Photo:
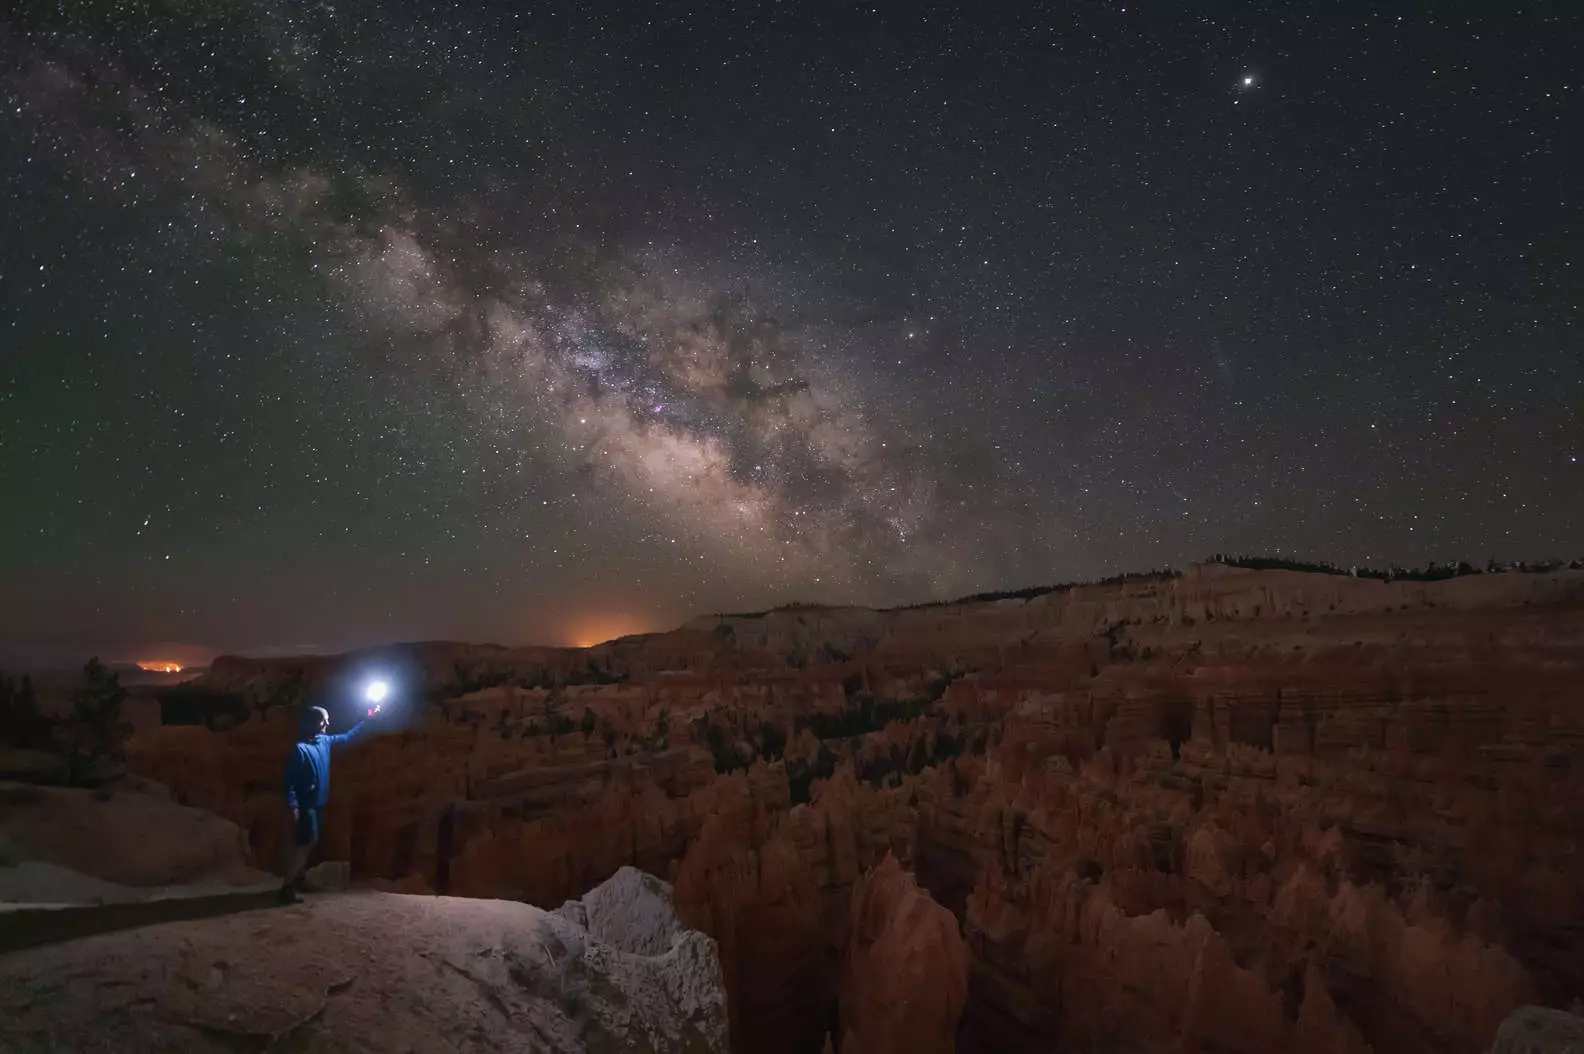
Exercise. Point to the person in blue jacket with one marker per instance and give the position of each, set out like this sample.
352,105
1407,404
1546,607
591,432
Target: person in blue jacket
308,787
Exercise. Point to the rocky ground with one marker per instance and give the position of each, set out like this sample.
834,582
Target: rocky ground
379,972
1231,810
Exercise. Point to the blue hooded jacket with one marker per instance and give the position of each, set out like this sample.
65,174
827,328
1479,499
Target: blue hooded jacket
308,767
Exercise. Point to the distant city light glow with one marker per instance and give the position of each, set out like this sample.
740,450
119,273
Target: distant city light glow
159,666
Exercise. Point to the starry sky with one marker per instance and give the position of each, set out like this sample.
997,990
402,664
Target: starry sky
330,323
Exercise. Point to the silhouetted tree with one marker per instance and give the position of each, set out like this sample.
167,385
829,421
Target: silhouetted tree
1432,572
869,715
946,746
95,735
801,775
772,741
21,724
555,722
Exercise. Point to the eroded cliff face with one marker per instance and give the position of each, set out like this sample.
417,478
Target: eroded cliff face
1232,810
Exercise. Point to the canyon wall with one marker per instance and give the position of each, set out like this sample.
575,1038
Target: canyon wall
1227,811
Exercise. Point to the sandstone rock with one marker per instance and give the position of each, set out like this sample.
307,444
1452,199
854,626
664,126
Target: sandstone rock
328,875
775,889
381,972
1539,1030
745,885
412,884
1223,810
122,836
36,882
905,979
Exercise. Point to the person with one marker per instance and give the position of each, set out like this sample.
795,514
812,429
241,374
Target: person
308,789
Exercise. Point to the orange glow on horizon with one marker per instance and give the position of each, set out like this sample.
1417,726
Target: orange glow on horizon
159,666
594,632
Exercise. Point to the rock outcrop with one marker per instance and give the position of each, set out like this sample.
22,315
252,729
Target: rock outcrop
1229,810
382,972
127,835
1540,1030
905,979
775,888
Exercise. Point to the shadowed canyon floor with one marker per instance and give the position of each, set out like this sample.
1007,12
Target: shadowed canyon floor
1230,811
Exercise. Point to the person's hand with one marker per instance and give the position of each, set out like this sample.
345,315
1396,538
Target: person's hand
294,813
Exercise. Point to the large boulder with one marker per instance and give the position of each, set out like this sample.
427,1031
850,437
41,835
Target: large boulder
130,835
382,972
1540,1030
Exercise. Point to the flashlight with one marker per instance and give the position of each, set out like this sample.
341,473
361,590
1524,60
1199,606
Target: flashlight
375,692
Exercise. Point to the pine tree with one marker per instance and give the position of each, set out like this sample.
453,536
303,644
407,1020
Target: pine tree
21,724
95,734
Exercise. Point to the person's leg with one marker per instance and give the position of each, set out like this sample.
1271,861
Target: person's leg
305,835
288,847
299,861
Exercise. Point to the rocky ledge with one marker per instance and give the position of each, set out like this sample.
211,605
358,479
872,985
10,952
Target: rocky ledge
368,971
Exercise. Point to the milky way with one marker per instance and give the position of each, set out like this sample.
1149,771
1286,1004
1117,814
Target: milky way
332,324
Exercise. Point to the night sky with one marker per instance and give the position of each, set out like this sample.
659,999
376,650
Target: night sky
325,324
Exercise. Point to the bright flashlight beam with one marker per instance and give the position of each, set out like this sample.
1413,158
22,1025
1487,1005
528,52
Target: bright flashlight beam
376,691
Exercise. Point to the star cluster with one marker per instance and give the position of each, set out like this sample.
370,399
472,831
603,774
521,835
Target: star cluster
325,324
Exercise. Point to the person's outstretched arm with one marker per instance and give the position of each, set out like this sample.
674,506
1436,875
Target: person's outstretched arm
350,736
